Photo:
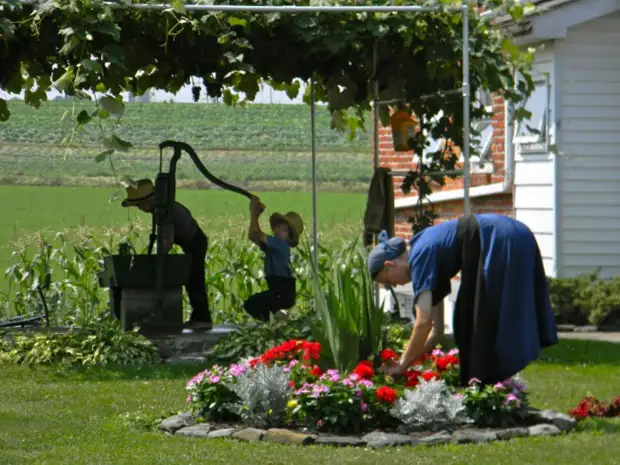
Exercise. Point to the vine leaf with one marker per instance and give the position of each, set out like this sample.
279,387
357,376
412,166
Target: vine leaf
83,118
4,110
34,98
178,6
104,155
237,21
114,107
64,82
116,143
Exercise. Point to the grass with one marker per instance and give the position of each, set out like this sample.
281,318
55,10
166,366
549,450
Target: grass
33,209
49,416
210,126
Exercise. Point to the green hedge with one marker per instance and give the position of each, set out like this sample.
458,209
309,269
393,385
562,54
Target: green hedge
585,299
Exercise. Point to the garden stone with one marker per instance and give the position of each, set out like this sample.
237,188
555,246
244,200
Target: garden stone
221,433
566,328
176,422
544,430
285,436
443,437
586,329
377,439
467,436
339,441
561,420
249,434
190,359
511,433
197,431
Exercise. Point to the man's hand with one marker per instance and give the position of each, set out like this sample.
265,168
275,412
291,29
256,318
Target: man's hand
393,370
256,207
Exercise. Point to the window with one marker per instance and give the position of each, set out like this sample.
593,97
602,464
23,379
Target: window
535,130
485,98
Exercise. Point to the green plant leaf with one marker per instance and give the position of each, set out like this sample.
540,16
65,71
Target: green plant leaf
64,81
114,106
115,143
4,110
83,117
103,155
237,21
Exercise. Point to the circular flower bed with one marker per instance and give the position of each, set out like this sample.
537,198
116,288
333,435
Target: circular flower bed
289,386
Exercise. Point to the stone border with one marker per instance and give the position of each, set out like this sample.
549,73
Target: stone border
543,423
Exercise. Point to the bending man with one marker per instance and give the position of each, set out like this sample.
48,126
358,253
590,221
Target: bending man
186,233
502,316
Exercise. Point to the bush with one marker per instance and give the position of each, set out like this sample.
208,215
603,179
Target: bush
585,299
100,344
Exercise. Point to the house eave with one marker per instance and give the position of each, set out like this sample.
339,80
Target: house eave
456,194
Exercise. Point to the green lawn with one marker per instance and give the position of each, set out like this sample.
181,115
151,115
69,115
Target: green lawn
73,417
30,209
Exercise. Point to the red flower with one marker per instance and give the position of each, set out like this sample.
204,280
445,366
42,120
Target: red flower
386,394
316,371
443,363
412,378
388,354
364,370
428,375
291,383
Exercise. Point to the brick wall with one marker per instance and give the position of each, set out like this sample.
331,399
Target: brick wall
402,161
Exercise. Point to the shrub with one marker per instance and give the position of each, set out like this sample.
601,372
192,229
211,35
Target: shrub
504,404
98,344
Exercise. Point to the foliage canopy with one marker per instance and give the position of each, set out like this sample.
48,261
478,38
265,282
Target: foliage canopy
82,46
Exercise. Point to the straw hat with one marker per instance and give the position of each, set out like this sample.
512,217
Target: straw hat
294,223
136,195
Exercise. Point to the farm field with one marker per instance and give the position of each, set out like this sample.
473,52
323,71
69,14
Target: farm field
265,147
47,210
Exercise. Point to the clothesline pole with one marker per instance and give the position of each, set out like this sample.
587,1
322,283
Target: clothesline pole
315,240
466,122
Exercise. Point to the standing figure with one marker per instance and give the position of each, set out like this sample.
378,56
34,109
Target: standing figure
186,233
280,293
502,315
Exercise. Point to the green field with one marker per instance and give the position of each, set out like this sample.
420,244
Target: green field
52,416
31,209
210,126
266,147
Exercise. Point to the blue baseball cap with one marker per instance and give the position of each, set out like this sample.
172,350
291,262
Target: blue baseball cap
390,249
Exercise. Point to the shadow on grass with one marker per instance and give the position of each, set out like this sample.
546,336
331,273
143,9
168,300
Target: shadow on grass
580,352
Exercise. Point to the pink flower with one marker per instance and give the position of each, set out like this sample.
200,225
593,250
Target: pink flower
189,398
499,386
237,370
438,353
358,392
348,382
367,383
474,381
511,398
354,377
458,395
363,406
453,352
319,389
305,389
214,379
196,379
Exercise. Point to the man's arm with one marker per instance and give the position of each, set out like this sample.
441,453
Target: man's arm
421,330
255,233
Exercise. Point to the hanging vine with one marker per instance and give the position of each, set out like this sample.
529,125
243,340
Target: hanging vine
83,46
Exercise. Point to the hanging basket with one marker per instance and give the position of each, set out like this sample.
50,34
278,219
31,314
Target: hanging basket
403,128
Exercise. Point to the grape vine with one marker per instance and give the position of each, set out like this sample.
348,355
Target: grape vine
84,46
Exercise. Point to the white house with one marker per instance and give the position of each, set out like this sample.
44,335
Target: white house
563,180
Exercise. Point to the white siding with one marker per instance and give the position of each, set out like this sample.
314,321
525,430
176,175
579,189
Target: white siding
589,164
534,181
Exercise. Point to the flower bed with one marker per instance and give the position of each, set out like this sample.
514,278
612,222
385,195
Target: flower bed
590,406
289,386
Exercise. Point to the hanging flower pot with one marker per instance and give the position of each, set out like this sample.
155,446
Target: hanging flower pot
403,128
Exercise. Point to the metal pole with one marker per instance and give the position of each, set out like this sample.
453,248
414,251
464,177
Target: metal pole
375,131
315,241
466,167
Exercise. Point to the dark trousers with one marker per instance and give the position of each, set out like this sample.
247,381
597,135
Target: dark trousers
196,284
281,294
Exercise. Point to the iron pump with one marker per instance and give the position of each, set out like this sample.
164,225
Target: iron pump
165,189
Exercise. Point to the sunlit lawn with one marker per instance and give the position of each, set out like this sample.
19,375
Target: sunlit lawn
75,417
